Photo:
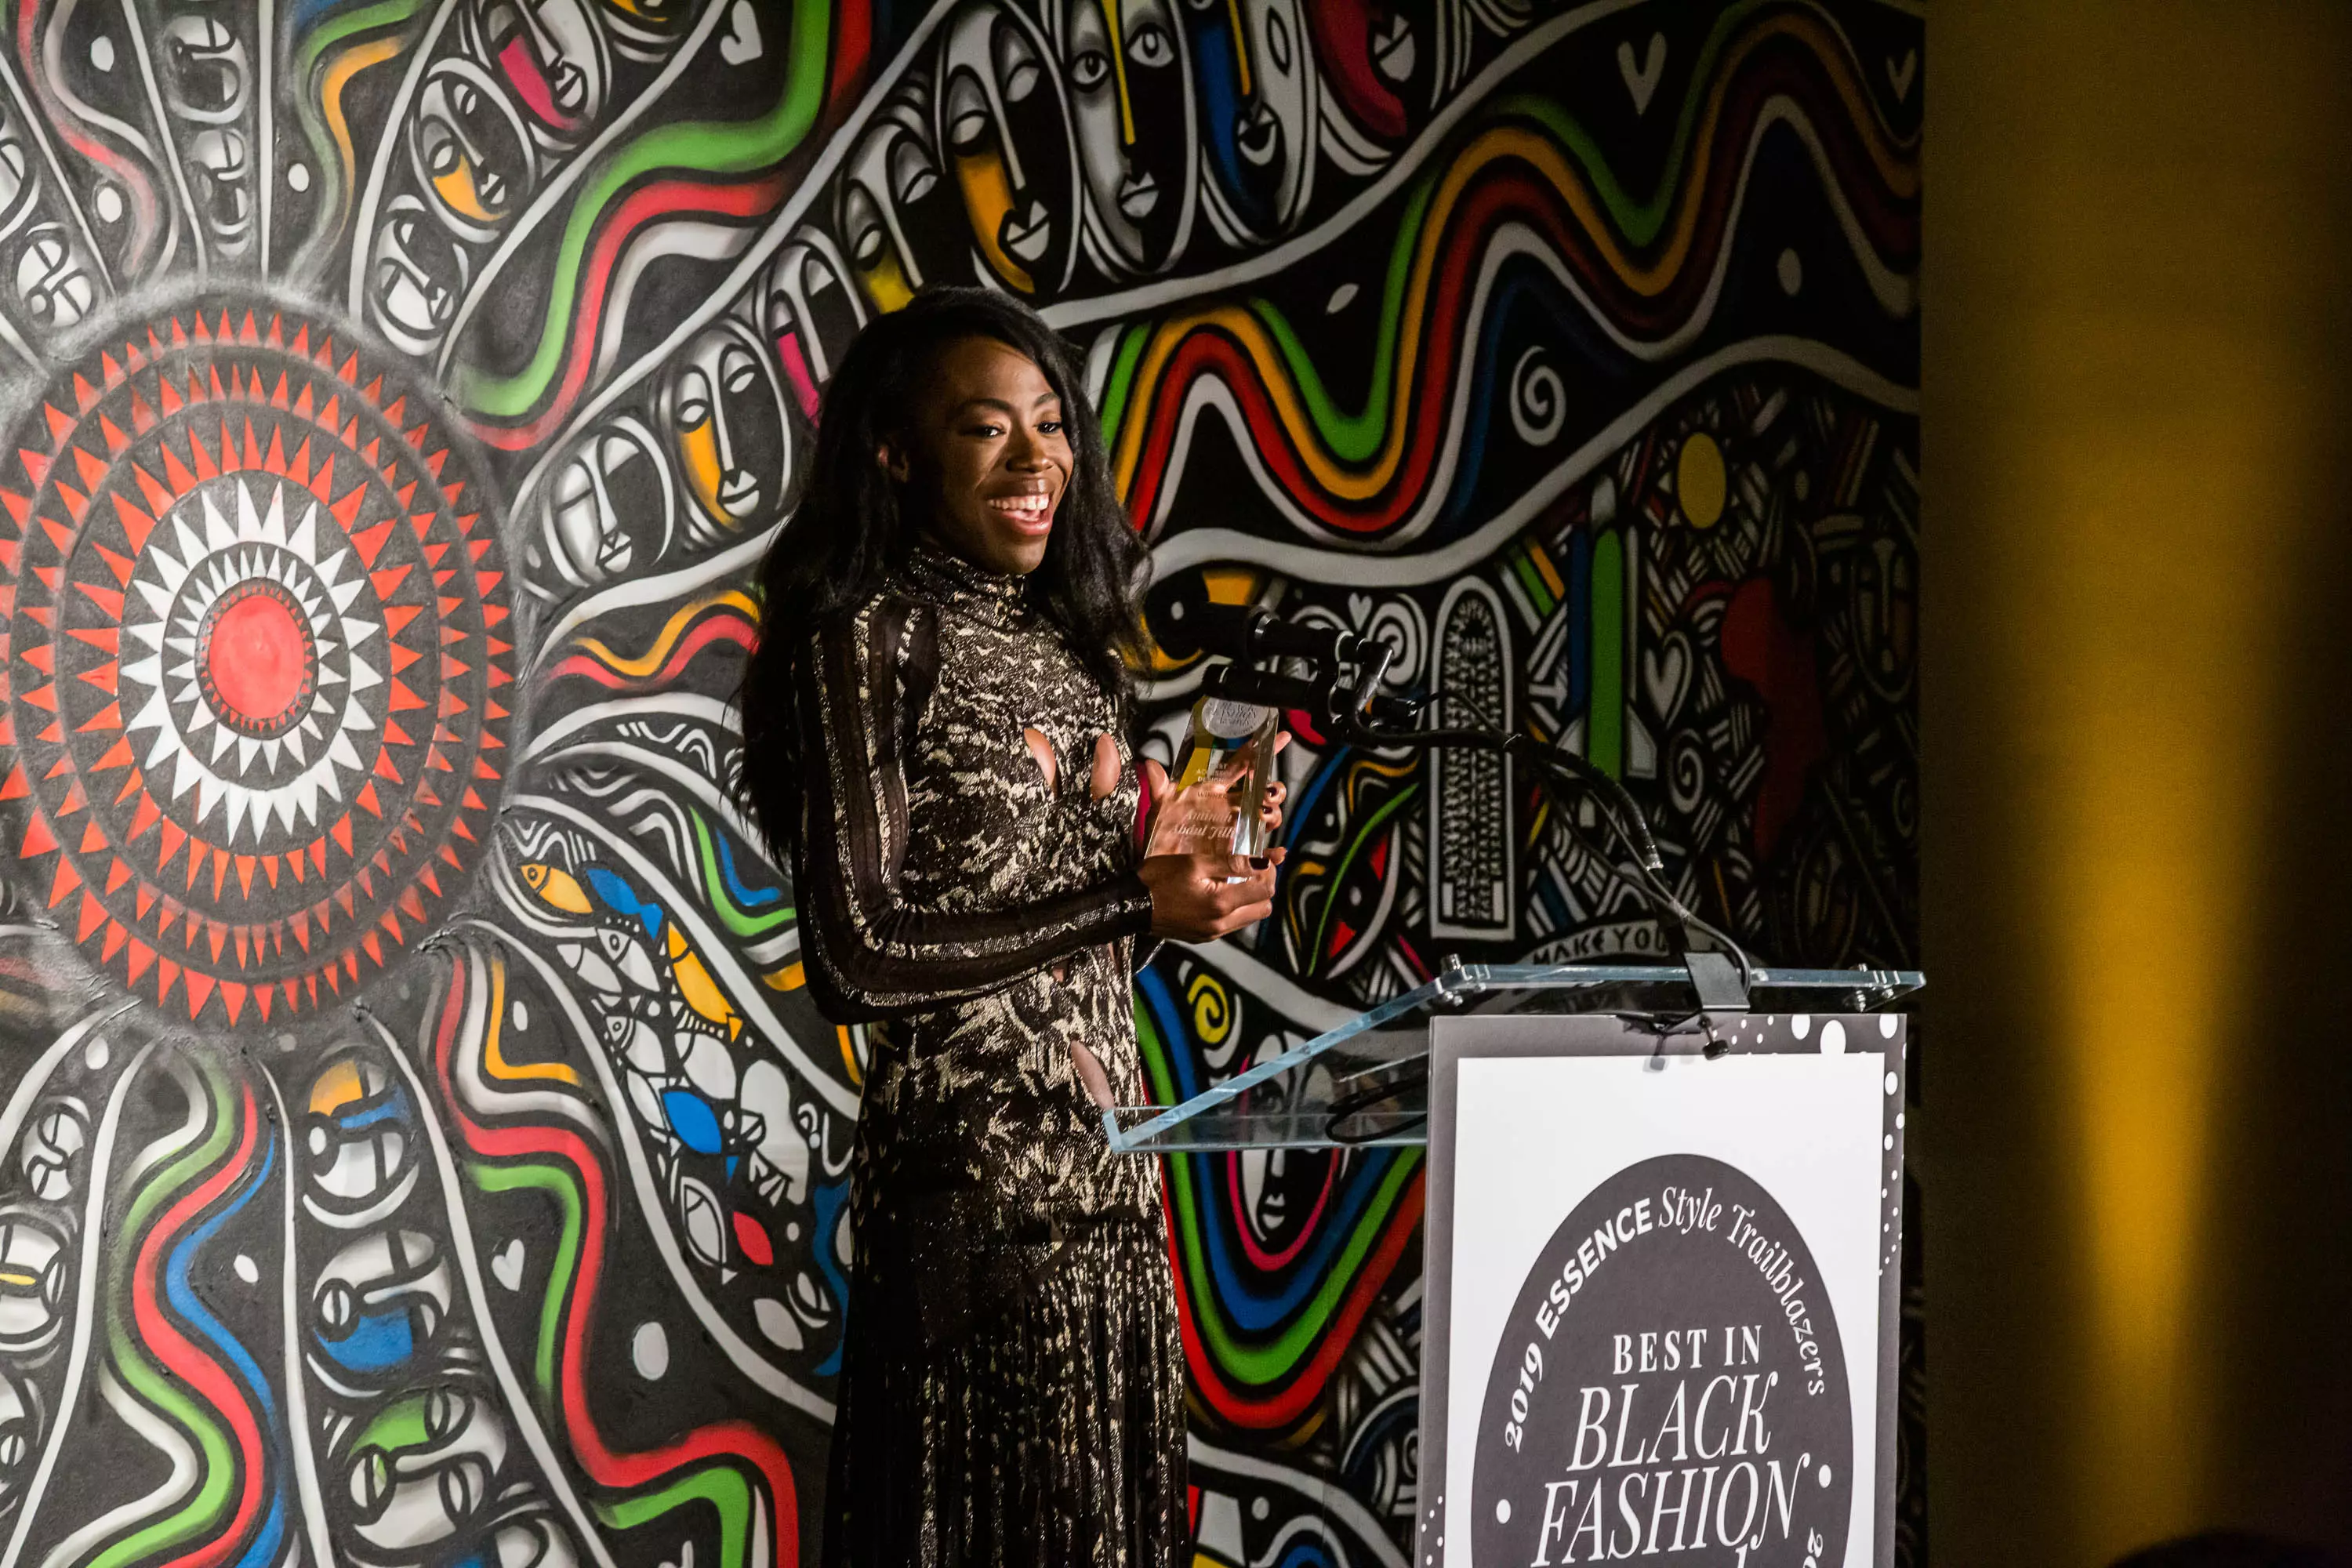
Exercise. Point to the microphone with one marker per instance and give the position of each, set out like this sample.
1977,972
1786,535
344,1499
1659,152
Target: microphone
1243,632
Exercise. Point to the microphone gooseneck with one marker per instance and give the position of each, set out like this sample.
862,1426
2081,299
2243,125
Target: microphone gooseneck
1339,692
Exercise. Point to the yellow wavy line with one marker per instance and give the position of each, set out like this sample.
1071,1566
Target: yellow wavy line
666,639
1649,279
493,1060
345,66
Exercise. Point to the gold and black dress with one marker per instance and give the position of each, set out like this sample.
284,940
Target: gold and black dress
1012,1386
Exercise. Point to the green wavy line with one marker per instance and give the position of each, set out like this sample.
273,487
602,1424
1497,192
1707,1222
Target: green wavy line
1262,1365
386,14
1371,825
1355,438
158,1388
723,1489
727,1492
1121,382
732,915
699,147
566,1192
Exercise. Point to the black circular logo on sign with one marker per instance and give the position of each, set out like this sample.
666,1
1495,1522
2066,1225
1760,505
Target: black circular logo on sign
1670,1383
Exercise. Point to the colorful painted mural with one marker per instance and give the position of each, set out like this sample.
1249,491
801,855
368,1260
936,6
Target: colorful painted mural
416,1145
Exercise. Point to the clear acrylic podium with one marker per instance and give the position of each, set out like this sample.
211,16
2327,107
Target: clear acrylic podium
1365,1083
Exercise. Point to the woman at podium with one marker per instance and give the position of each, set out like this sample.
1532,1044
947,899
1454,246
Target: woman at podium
936,728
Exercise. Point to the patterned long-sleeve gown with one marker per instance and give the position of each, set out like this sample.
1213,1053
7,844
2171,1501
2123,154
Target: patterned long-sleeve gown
1012,1386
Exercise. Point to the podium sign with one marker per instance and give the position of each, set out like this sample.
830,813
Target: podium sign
1662,1292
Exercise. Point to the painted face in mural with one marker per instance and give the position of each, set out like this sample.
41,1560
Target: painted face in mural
205,68
222,186
424,1467
611,507
32,1282
470,150
1283,1190
551,57
1131,101
728,427
1002,121
54,289
18,188
53,1149
378,1302
419,276
1886,615
810,313
359,1139
20,1436
1257,109
901,226
1382,60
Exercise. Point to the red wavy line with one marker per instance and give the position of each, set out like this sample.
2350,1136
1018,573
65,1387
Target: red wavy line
664,199
1258,1256
1287,1404
737,1440
1509,195
731,629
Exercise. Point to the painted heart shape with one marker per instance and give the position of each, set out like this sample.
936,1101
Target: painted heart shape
1642,75
1666,675
742,41
506,1264
1901,75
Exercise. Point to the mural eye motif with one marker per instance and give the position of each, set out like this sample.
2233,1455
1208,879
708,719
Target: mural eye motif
967,117
219,157
1150,47
52,1151
912,172
693,401
1090,71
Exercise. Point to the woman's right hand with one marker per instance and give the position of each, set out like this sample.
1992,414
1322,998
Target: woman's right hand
1192,901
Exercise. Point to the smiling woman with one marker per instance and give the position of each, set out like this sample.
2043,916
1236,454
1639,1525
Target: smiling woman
936,733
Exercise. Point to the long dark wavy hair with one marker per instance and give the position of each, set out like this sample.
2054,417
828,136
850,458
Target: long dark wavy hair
854,524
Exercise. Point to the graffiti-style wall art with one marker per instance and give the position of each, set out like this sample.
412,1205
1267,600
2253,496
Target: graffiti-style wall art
416,1145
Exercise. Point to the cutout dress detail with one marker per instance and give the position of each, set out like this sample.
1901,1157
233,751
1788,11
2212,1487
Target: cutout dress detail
1012,1385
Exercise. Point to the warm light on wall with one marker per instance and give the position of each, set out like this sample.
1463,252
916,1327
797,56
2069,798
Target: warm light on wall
2125,466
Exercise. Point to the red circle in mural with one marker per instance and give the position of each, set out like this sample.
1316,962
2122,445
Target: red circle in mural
257,658
255,631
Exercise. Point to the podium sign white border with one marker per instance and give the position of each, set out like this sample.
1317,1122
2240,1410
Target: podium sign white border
1548,1150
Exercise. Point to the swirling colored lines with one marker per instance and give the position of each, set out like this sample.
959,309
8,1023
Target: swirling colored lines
41,51
728,619
328,59
1362,473
748,912
713,1458
156,1271
1262,1352
587,255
